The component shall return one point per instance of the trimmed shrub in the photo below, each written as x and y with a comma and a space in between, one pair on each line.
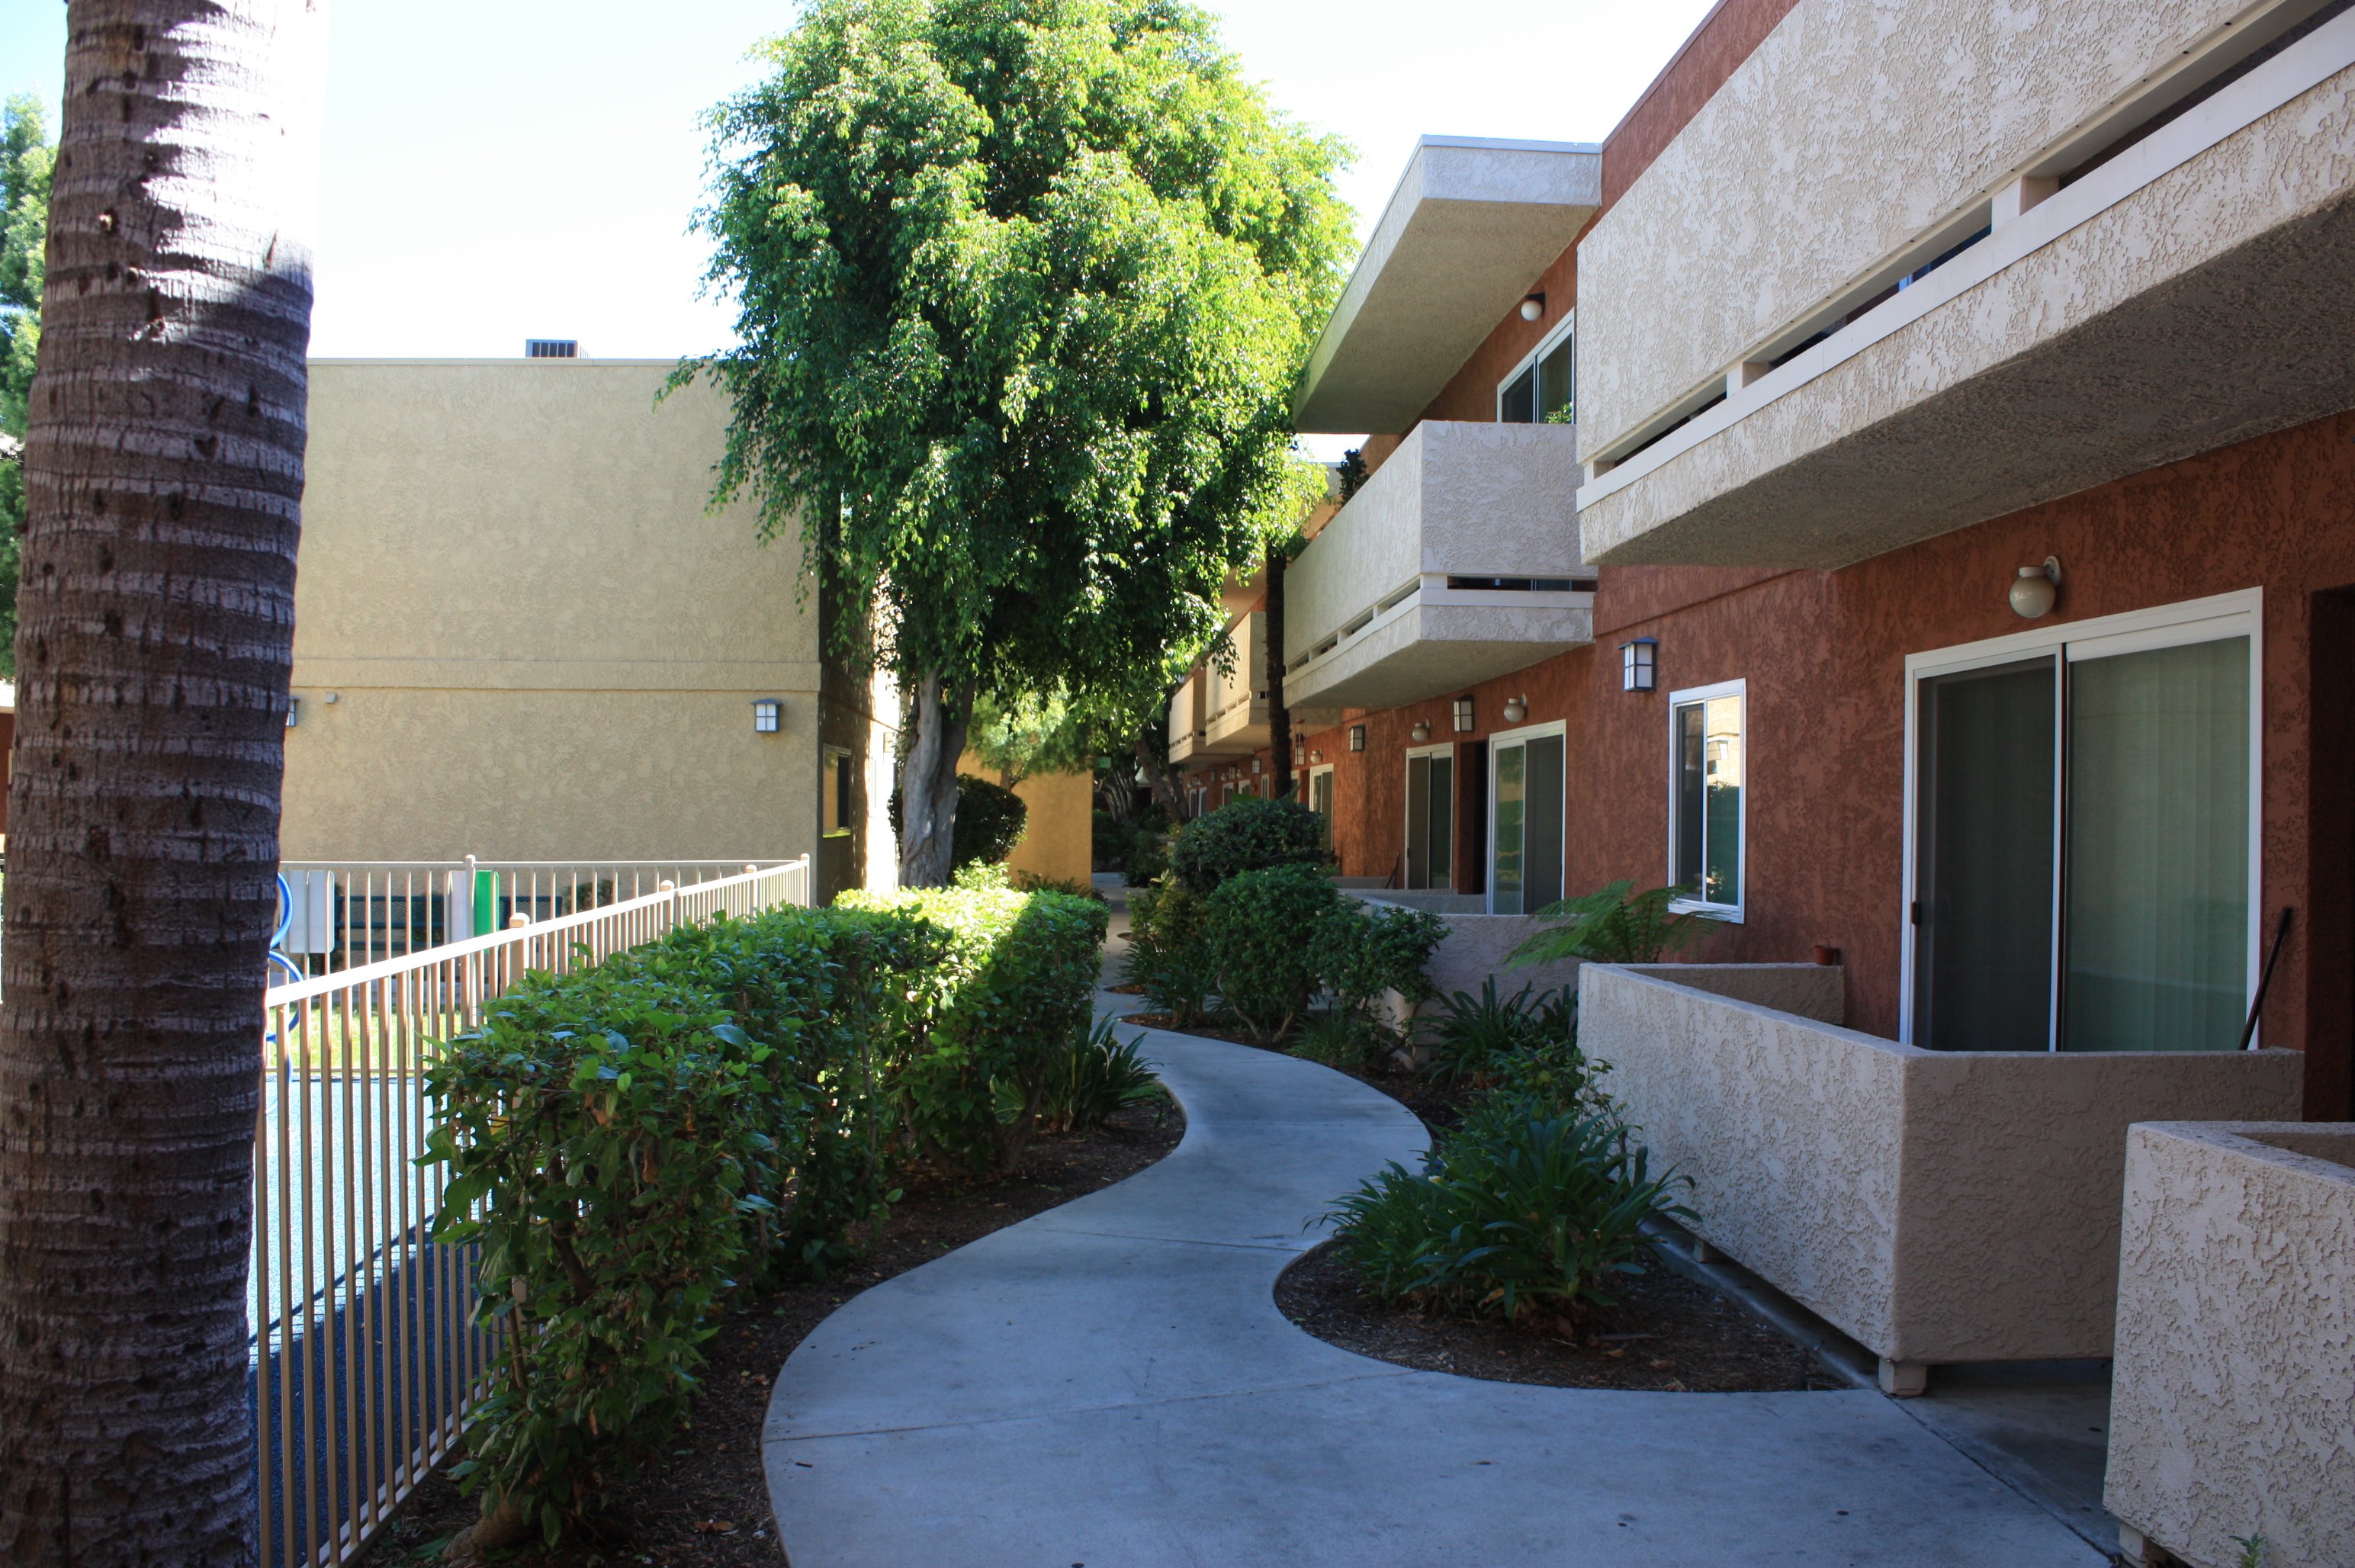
1247, 834
1364, 950
1262, 942
1168, 958
990, 820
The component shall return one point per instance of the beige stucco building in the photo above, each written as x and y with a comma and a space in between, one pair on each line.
521, 633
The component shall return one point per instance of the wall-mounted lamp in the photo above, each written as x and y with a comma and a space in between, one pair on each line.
1464, 716
768, 715
1255, 767
1316, 756
294, 707
1420, 734
1639, 665
2036, 589
1357, 737
1532, 307
1515, 709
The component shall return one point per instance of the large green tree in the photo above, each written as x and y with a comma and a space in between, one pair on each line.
27, 155
1024, 287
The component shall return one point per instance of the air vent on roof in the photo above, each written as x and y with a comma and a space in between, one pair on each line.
550, 348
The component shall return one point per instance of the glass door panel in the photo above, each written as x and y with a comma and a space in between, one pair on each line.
1511, 768
1442, 820
2157, 928
1418, 822
1983, 875
1541, 831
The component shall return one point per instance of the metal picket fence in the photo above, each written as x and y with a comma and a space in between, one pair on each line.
365, 1353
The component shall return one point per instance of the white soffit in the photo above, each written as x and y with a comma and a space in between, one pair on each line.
1471, 226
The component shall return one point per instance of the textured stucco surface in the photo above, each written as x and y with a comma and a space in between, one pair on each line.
2120, 326
1467, 228
1853, 129
1234, 697
1422, 650
1937, 1206
2233, 1400
541, 643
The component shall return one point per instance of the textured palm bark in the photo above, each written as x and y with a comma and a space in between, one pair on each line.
928, 787
163, 474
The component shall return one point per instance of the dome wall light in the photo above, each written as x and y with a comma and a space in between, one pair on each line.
2036, 590
1533, 307
1420, 734
1517, 709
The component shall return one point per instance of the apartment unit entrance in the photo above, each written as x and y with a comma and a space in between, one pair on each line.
1525, 804
1431, 818
2082, 834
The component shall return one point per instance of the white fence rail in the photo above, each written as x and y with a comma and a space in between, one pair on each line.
340, 914
366, 1354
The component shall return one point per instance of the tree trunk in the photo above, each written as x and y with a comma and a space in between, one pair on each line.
928, 787
162, 477
1152, 763
1279, 715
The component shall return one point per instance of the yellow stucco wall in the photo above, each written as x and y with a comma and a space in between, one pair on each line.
1058, 838
538, 644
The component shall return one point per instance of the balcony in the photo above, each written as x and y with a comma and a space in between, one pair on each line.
1457, 561
2117, 238
1234, 718
1186, 720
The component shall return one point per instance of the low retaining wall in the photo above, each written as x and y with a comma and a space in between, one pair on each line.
1937, 1206
1477, 947
2232, 1401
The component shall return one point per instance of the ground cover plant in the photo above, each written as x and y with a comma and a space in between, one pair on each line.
631, 1144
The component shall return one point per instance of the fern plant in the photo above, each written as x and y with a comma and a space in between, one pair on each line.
1614, 925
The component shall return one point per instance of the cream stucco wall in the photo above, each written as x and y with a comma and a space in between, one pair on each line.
2232, 1398
520, 635
1938, 1206
1059, 841
1857, 128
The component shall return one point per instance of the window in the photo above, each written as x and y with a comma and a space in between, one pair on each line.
841, 794
1525, 818
1706, 799
2081, 836
1542, 388
1431, 818
1320, 796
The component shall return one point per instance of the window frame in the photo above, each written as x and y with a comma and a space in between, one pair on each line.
831, 771
1515, 737
2218, 618
1736, 913
1566, 328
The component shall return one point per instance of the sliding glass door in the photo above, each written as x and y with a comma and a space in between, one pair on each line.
1526, 823
2082, 845
1431, 819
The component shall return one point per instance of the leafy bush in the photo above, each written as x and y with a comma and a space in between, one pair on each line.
990, 820
1013, 979
1168, 956
629, 1144
1612, 925
1364, 950
1262, 942
1071, 886
1247, 834
1147, 863
1527, 1216
1097, 1076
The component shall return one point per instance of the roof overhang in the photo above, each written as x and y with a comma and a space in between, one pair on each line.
1472, 223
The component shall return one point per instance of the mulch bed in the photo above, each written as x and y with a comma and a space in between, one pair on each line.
1668, 1334
706, 1504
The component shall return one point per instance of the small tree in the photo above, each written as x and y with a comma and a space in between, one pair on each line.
1024, 287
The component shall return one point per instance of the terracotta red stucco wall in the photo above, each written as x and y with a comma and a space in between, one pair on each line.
1823, 654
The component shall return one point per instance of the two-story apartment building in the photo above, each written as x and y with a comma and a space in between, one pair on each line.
1899, 491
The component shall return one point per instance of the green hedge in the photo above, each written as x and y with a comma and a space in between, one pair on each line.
1247, 834
629, 1144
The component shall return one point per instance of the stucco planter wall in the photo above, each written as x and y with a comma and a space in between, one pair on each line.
2232, 1404
1477, 947
1937, 1206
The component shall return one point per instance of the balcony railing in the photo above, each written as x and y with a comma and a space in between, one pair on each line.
1458, 561
367, 1354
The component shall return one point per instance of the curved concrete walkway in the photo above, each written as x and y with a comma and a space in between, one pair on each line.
1110, 1384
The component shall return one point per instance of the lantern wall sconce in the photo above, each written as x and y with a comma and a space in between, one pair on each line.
1420, 734
1515, 708
1532, 307
1357, 737
2036, 589
768, 715
1639, 665
1255, 767
294, 708
1464, 716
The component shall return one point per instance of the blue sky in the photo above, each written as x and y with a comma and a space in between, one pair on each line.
499, 169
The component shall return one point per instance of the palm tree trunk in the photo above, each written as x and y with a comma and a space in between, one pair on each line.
162, 477
927, 787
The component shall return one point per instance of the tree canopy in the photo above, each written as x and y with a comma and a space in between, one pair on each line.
26, 156
1024, 287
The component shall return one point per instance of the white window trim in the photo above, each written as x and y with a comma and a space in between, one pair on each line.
1507, 738
1546, 345
1406, 823
830, 759
1731, 913
2215, 619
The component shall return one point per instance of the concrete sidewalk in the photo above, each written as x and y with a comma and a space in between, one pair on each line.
1110, 1384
